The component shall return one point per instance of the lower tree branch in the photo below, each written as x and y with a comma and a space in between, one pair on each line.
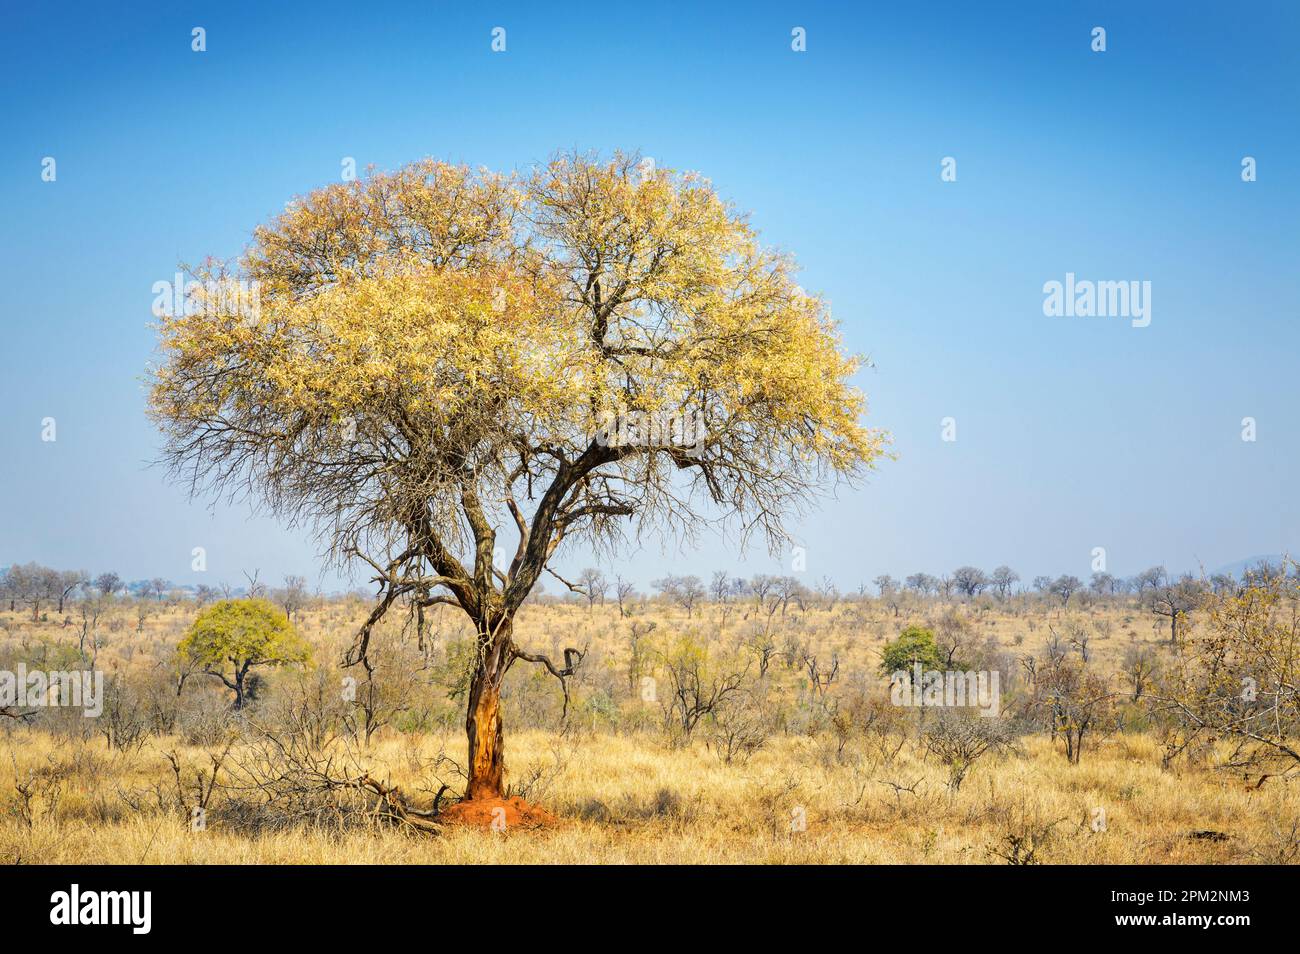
572, 659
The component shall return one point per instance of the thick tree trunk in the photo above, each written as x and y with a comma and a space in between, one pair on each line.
483, 718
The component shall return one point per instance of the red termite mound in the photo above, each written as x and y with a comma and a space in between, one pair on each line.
485, 813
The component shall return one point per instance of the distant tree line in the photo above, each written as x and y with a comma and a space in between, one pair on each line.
39, 589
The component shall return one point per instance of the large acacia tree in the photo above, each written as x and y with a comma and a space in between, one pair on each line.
435, 358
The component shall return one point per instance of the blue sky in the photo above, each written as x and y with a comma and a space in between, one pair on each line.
1072, 433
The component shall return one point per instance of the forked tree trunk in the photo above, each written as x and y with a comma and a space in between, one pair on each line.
483, 716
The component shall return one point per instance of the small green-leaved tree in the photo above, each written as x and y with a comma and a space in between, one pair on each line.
231, 637
915, 644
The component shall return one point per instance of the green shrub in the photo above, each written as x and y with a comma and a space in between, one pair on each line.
914, 645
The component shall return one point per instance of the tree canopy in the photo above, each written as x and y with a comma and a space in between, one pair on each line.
231, 637
915, 644
431, 342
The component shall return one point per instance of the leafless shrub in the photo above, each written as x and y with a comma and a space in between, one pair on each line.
536, 779
740, 728
311, 707
821, 675
898, 787
124, 723
1025, 835
1074, 700
205, 719
696, 689
37, 793
1140, 668
195, 786
1280, 845
775, 797
958, 741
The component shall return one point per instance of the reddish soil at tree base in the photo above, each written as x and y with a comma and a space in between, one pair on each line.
482, 812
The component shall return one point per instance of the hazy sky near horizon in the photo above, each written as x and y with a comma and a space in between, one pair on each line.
1071, 432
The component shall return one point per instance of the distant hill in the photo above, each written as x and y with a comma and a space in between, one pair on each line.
1236, 569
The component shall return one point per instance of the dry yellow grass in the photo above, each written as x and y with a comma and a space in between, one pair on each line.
629, 797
